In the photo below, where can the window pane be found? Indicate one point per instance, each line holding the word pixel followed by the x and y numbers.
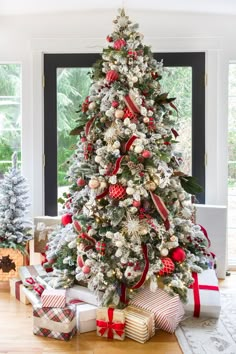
pixel 177 81
pixel 232 165
pixel 72 88
pixel 10 114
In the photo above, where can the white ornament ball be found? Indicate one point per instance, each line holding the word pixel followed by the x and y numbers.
pixel 164 252
pixel 119 113
pixel 98 159
pixel 103 184
pixel 94 183
pixel 145 119
pixel 138 149
pixel 91 106
pixel 143 231
pixel 130 190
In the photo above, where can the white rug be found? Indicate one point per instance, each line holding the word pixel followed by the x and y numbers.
pixel 211 336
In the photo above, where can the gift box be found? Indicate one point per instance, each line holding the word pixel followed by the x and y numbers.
pixel 54 298
pixel 58 323
pixel 204 295
pixel 31 271
pixel 84 294
pixel 139 324
pixel 86 317
pixel 32 296
pixel 44 226
pixel 16 290
pixel 168 310
pixel 111 323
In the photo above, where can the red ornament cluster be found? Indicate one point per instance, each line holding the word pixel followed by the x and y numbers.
pixel 117 191
pixel 112 76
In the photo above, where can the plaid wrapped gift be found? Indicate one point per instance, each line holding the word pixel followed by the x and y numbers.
pixel 58 323
pixel 111 323
pixel 139 324
pixel 54 298
pixel 17 290
pixel 168 310
pixel 44 225
pixel 204 295
pixel 31 271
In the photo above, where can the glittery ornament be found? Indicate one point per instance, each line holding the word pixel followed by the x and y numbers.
pixel 150 186
pixel 164 252
pixel 168 266
pixel 119 43
pixel 117 191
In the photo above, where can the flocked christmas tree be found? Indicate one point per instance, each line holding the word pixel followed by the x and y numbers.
pixel 15 227
pixel 131 203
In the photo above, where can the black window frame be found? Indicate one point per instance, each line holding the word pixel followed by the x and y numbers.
pixel 196 60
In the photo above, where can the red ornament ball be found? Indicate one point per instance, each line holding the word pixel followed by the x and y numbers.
pixel 136 203
pixel 117 191
pixel 146 154
pixel 168 266
pixel 66 219
pixel 119 43
pixel 115 104
pixel 109 39
pixel 112 75
pixel 86 269
pixel 178 254
pixel 80 182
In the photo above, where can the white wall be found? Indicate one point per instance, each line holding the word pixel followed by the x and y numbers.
pixel 25 38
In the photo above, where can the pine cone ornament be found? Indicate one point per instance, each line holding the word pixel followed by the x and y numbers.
pixel 117 191
pixel 168 266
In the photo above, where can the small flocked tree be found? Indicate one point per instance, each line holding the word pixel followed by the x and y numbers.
pixel 131 203
pixel 15 227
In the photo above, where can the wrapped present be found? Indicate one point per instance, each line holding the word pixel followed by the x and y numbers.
pixel 58 323
pixel 204 295
pixel 32 296
pixel 44 225
pixel 168 310
pixel 31 271
pixel 33 290
pixel 54 298
pixel 86 316
pixel 139 324
pixel 16 290
pixel 84 294
pixel 111 323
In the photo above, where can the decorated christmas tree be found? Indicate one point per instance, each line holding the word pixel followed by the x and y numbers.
pixel 130 201
pixel 15 227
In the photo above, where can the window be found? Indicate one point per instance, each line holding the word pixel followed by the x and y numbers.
pixel 10 114
pixel 66 82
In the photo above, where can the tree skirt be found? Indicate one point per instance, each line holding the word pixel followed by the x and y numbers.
pixel 211 336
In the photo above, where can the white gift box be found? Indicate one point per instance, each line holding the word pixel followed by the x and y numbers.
pixel 84 294
pixel 204 296
pixel 86 317
pixel 33 298
pixel 31 271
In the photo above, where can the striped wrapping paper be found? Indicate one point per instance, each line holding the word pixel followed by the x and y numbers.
pixel 54 298
pixel 58 323
pixel 168 310
pixel 139 324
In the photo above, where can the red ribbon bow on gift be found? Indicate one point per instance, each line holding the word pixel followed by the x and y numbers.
pixel 38 288
pixel 118 328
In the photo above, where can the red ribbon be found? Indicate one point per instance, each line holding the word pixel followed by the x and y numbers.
pixel 110 327
pixel 38 288
pixel 196 287
pixel 130 142
pixel 141 280
pixel 131 104
pixel 103 194
pixel 117 165
pixel 161 208
pixel 88 126
pixel 17 289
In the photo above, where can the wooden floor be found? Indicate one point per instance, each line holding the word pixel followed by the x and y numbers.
pixel 16 334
